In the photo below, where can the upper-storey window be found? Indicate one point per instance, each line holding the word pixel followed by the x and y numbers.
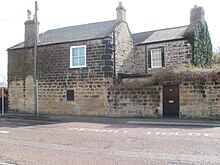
pixel 78 56
pixel 156 58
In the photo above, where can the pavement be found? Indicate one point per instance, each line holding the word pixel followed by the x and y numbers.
pixel 133 121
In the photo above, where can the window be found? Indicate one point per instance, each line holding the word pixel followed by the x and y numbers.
pixel 156 58
pixel 70 95
pixel 77 56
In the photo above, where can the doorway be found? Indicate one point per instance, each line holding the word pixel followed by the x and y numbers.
pixel 171 101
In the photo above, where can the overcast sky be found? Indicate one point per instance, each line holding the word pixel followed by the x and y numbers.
pixel 142 15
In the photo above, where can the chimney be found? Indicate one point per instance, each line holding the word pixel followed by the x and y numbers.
pixel 30 31
pixel 121 12
pixel 197 13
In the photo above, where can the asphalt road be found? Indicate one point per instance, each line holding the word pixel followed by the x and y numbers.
pixel 26 142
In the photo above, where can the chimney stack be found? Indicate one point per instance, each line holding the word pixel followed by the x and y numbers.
pixel 30 30
pixel 197 13
pixel 121 12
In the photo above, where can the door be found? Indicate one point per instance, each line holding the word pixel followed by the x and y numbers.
pixel 171 101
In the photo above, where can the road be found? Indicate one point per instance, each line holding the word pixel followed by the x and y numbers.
pixel 39 142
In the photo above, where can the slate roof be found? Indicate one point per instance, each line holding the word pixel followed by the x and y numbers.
pixel 159 35
pixel 101 30
pixel 75 33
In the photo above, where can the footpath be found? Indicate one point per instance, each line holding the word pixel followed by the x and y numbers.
pixel 133 121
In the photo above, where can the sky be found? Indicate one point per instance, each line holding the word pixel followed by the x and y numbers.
pixel 141 15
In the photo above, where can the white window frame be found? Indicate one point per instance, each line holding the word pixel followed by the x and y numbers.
pixel 152 64
pixel 71 58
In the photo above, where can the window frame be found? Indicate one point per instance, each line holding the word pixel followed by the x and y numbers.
pixel 71 56
pixel 151 54
pixel 150 60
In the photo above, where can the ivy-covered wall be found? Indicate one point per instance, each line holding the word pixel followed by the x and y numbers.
pixel 198 36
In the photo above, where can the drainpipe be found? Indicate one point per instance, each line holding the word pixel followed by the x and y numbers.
pixel 146 60
pixel 114 56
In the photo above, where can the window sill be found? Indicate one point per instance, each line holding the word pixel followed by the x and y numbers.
pixel 78 68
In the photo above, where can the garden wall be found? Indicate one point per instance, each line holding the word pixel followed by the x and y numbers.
pixel 143 97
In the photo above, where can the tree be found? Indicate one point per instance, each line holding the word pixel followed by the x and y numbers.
pixel 216 56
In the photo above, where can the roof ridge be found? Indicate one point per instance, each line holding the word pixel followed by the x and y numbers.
pixel 86 24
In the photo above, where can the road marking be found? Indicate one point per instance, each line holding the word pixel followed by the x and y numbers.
pixel 22 123
pixel 4 132
pixel 4 163
pixel 190 134
pixel 6 122
pixel 122 131
pixel 98 130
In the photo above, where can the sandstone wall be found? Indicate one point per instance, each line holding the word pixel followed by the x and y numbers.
pixel 129 101
pixel 123 49
pixel 136 97
pixel 140 60
pixel 21 95
pixel 20 80
pixel 89 84
pixel 200 100
pixel 176 53
pixel 55 78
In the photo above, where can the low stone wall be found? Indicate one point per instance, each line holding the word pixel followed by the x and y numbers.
pixel 129 100
pixel 200 100
pixel 140 97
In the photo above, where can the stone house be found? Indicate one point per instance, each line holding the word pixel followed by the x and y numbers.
pixel 80 69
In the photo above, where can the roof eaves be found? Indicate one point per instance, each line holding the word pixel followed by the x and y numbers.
pixel 55 43
pixel 161 41
pixel 17 46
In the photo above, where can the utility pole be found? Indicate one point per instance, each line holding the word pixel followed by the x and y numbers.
pixel 3 105
pixel 35 63
pixel 2 84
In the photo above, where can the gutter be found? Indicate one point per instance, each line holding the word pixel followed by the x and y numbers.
pixel 158 42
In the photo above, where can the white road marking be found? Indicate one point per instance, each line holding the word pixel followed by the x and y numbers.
pixel 122 131
pixel 97 130
pixel 22 123
pixel 6 122
pixel 190 134
pixel 69 129
pixel 4 132
pixel 4 163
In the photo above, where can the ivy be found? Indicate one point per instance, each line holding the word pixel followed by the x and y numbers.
pixel 198 36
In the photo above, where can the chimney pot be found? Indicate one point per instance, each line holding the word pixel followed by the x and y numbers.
pixel 29 15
